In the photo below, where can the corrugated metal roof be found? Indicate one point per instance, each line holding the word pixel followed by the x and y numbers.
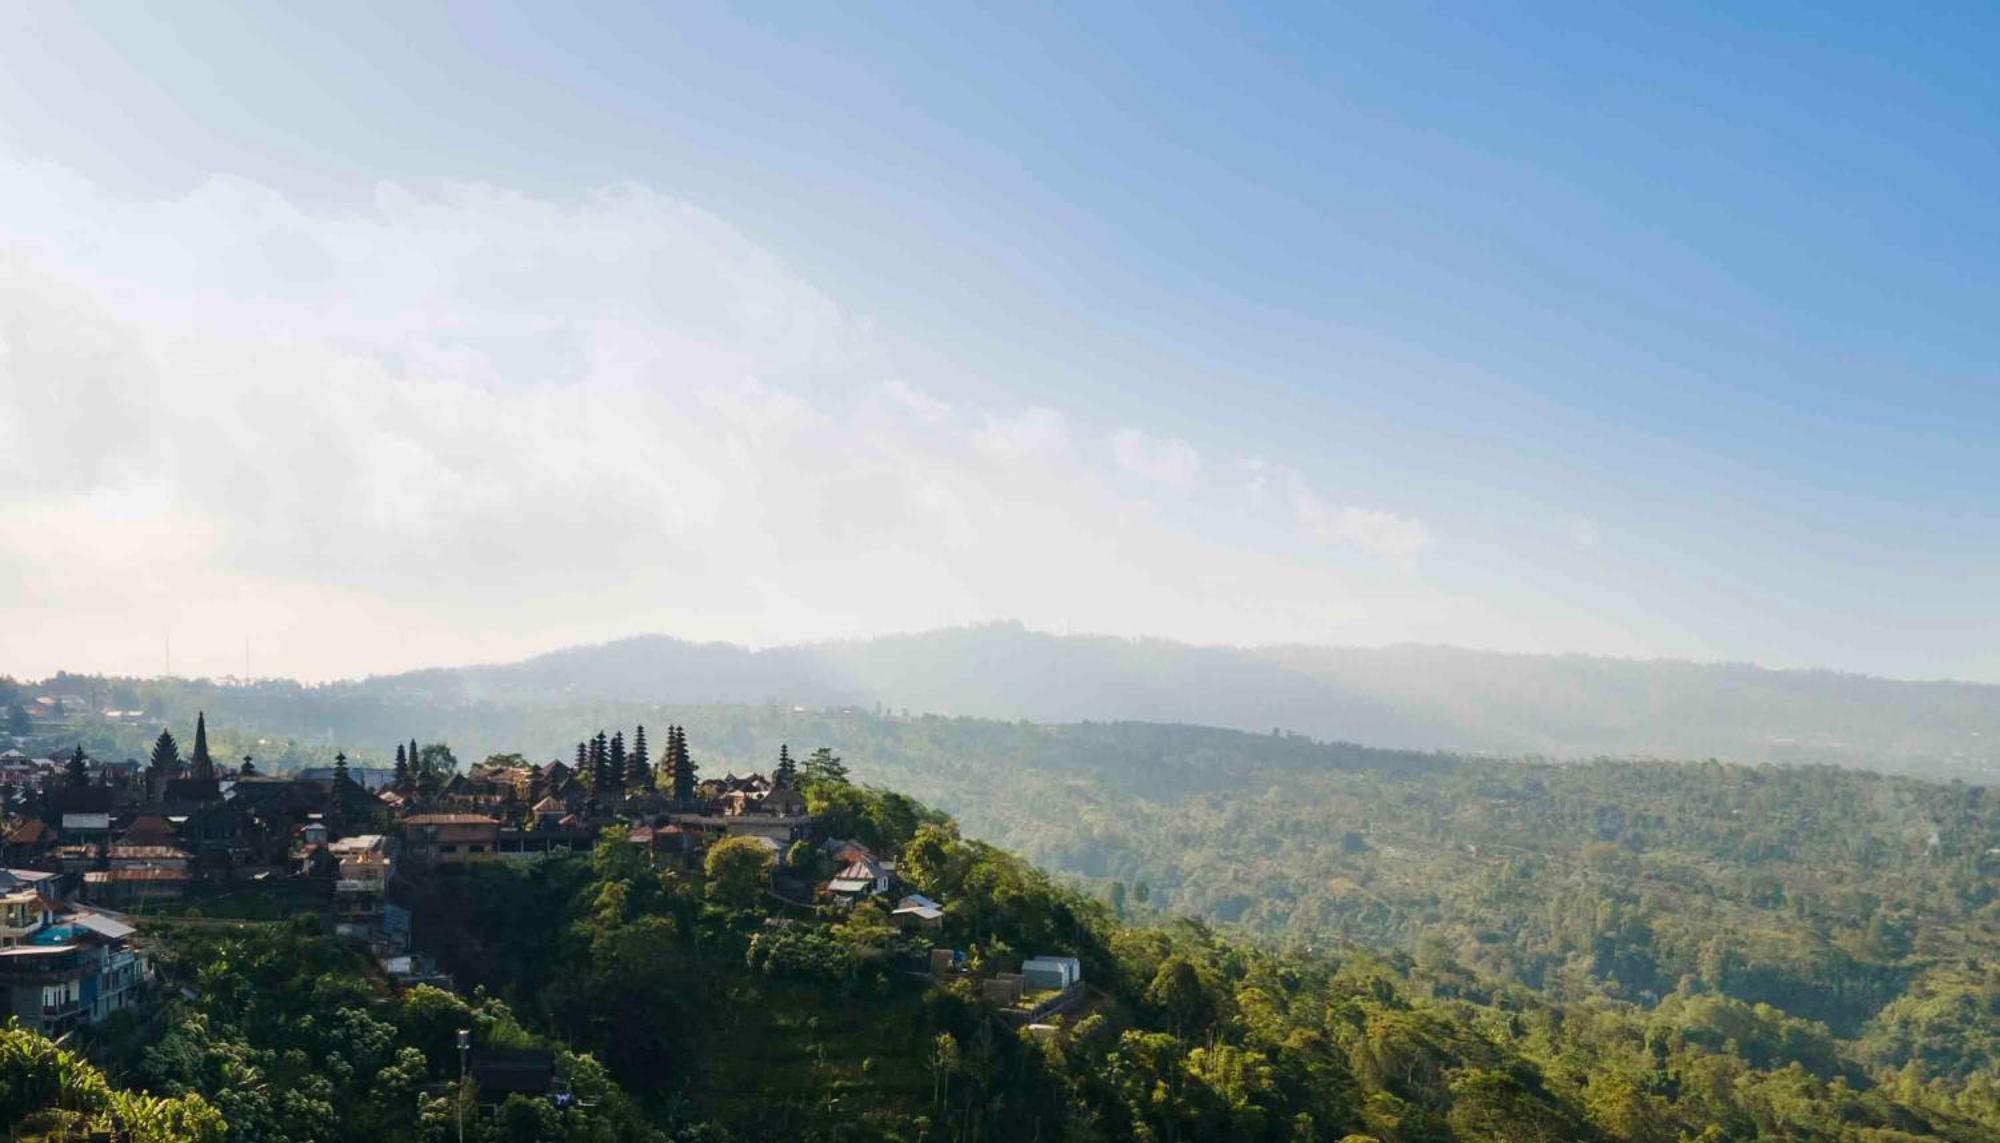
pixel 102 925
pixel 36 950
pixel 145 852
pixel 450 819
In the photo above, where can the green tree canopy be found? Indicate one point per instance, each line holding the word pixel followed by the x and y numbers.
pixel 737 869
pixel 823 765
pixel 165 761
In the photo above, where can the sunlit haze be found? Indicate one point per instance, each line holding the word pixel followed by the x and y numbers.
pixel 330 348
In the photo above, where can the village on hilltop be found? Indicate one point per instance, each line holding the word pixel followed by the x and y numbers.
pixel 91 849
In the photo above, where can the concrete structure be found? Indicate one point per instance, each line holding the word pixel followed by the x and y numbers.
pixel 134 886
pixel 1052 971
pixel 946 962
pixel 91 830
pixel 555 837
pixel 451 839
pixel 63 967
pixel 28 902
pixel 781 828
pixel 361 885
pixel 138 873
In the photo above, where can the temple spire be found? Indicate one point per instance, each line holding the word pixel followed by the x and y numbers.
pixel 204 766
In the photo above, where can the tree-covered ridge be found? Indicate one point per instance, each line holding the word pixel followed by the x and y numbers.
pixel 733 1016
pixel 1423 697
pixel 1859 903
pixel 1864 902
pixel 728 1012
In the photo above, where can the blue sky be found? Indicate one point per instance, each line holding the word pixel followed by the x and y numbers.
pixel 1667 331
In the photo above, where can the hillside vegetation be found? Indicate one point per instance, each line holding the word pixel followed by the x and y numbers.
pixel 1846 921
pixel 694 1010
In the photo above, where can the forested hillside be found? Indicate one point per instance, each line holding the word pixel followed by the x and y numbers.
pixel 1617 876
pixel 1856 915
pixel 1193 1036
pixel 695 1007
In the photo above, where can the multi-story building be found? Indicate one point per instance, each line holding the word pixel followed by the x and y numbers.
pixel 361 885
pixel 138 873
pixel 62 968
pixel 28 903
pixel 451 839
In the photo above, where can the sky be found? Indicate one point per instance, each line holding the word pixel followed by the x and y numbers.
pixel 344 340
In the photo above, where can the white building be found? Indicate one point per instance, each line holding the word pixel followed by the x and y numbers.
pixel 1052 971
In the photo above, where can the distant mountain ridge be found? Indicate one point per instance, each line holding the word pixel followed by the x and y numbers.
pixel 1411 697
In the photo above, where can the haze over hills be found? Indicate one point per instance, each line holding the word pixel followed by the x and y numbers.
pixel 1413 697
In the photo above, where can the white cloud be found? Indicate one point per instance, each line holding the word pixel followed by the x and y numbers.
pixel 1165 460
pixel 1037 431
pixel 1371 530
pixel 469 424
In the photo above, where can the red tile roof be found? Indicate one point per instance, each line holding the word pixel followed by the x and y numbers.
pixel 34 831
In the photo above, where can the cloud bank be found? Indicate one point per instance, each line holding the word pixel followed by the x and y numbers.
pixel 467 423
pixel 1164 460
